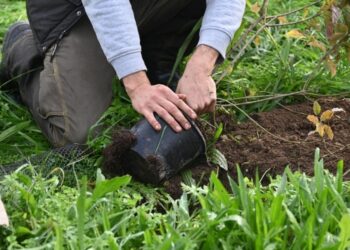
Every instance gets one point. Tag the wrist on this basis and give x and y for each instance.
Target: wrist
(134, 81)
(204, 58)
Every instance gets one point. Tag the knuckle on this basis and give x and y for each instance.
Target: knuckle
(163, 113)
(161, 88)
(173, 110)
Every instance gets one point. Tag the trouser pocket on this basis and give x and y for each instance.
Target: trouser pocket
(51, 104)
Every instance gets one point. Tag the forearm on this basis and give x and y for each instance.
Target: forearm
(221, 20)
(205, 58)
(116, 30)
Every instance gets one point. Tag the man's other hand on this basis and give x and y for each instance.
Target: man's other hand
(197, 83)
(148, 99)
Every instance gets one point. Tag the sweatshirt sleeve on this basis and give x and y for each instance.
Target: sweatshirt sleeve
(116, 30)
(221, 20)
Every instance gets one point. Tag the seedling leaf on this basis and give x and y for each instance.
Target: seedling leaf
(317, 108)
(320, 129)
(313, 119)
(327, 115)
(329, 132)
(4, 220)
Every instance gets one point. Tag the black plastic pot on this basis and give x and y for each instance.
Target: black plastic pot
(157, 156)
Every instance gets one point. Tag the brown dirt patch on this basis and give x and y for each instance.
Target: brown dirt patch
(286, 143)
(253, 149)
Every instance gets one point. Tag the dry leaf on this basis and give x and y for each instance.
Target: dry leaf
(295, 34)
(329, 132)
(327, 115)
(255, 8)
(318, 44)
(313, 119)
(257, 41)
(320, 129)
(335, 110)
(282, 20)
(331, 66)
(4, 220)
(317, 108)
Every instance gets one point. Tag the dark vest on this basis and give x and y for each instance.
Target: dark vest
(50, 20)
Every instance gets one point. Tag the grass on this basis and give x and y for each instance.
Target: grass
(293, 212)
(60, 209)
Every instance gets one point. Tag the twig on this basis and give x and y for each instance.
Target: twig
(294, 11)
(274, 97)
(293, 23)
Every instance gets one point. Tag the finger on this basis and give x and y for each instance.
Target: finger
(176, 113)
(182, 96)
(164, 114)
(174, 98)
(184, 107)
(152, 120)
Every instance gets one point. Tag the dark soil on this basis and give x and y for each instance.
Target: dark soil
(253, 149)
(122, 141)
(286, 143)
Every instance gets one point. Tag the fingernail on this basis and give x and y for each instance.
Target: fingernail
(187, 126)
(158, 127)
(178, 129)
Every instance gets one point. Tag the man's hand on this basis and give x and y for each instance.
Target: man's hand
(148, 99)
(197, 83)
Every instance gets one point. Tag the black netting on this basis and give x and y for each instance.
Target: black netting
(68, 158)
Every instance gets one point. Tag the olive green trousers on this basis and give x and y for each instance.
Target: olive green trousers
(71, 90)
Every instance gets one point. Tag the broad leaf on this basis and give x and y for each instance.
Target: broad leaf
(329, 132)
(317, 108)
(313, 119)
(108, 186)
(327, 115)
(320, 129)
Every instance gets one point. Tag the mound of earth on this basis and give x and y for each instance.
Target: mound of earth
(281, 140)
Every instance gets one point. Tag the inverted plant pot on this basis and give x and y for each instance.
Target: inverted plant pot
(159, 155)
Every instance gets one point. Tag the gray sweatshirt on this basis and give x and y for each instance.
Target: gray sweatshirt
(116, 30)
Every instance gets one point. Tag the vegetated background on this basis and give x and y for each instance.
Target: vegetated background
(64, 210)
